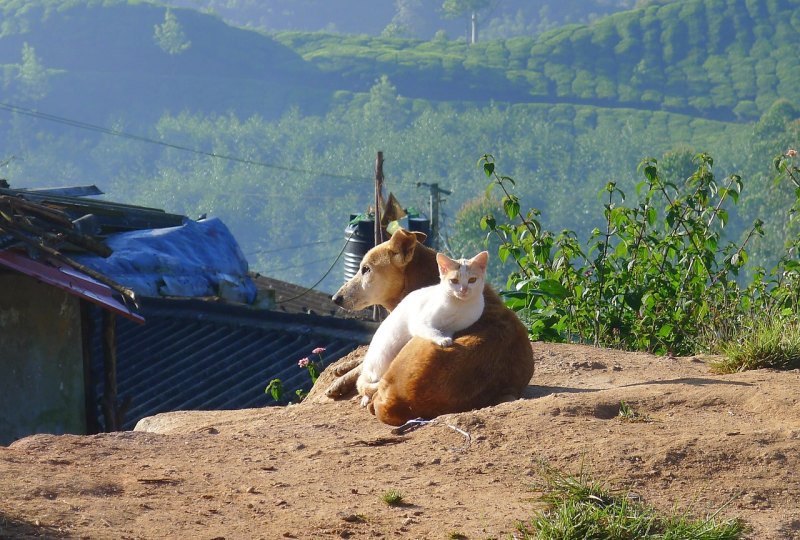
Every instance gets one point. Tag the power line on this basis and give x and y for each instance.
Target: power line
(299, 265)
(296, 246)
(328, 271)
(117, 133)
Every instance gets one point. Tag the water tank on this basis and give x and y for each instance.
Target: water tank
(423, 225)
(360, 237)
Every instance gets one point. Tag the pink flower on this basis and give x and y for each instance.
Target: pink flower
(318, 350)
(303, 362)
(791, 152)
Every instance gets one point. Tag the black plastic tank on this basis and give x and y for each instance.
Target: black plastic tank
(423, 225)
(360, 237)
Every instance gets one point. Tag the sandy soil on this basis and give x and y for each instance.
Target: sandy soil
(319, 469)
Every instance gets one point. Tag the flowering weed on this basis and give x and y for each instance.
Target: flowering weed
(275, 387)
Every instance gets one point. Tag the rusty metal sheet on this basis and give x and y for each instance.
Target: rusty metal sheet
(70, 280)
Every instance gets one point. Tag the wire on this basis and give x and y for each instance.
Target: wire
(305, 292)
(299, 265)
(16, 109)
(117, 133)
(296, 246)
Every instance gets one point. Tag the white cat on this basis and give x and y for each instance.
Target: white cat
(433, 313)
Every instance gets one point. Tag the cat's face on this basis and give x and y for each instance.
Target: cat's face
(464, 278)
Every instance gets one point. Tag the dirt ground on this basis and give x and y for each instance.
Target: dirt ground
(319, 469)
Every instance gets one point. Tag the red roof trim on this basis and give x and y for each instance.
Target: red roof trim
(70, 280)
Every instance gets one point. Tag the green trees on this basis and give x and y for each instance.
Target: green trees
(468, 8)
(383, 107)
(32, 76)
(170, 36)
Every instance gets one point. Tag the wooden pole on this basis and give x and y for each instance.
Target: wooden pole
(110, 371)
(378, 197)
(87, 331)
(434, 204)
(376, 313)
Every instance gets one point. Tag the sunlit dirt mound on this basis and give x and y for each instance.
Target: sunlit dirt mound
(703, 442)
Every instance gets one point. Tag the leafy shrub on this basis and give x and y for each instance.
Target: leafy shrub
(658, 276)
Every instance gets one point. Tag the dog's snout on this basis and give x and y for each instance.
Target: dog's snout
(337, 299)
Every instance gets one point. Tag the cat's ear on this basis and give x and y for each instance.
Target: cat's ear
(481, 260)
(446, 264)
(402, 245)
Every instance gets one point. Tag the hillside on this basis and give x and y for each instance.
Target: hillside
(409, 18)
(721, 59)
(722, 445)
(103, 61)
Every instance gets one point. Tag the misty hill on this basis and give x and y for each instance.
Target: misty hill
(104, 59)
(499, 19)
(720, 59)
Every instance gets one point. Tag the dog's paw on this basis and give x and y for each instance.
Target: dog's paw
(365, 401)
(444, 342)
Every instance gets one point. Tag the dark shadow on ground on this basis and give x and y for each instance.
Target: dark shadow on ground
(533, 391)
(20, 529)
(693, 381)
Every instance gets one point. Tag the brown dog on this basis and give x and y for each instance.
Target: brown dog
(489, 362)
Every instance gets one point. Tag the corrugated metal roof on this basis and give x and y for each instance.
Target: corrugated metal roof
(290, 298)
(195, 355)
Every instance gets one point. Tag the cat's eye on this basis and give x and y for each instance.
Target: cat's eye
(454, 281)
(473, 279)
(365, 269)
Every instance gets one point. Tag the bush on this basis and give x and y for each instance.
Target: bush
(656, 277)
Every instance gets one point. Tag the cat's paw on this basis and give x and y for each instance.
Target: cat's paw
(365, 401)
(444, 342)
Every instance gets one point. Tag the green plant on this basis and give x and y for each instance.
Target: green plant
(654, 277)
(275, 389)
(275, 386)
(627, 414)
(773, 342)
(392, 497)
(312, 366)
(770, 335)
(578, 507)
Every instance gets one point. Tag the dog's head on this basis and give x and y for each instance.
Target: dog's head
(381, 278)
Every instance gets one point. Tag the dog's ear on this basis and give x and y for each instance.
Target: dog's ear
(402, 245)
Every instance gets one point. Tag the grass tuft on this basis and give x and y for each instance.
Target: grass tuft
(580, 508)
(628, 414)
(772, 343)
(392, 497)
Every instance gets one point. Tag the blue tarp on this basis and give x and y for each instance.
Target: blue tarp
(198, 258)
